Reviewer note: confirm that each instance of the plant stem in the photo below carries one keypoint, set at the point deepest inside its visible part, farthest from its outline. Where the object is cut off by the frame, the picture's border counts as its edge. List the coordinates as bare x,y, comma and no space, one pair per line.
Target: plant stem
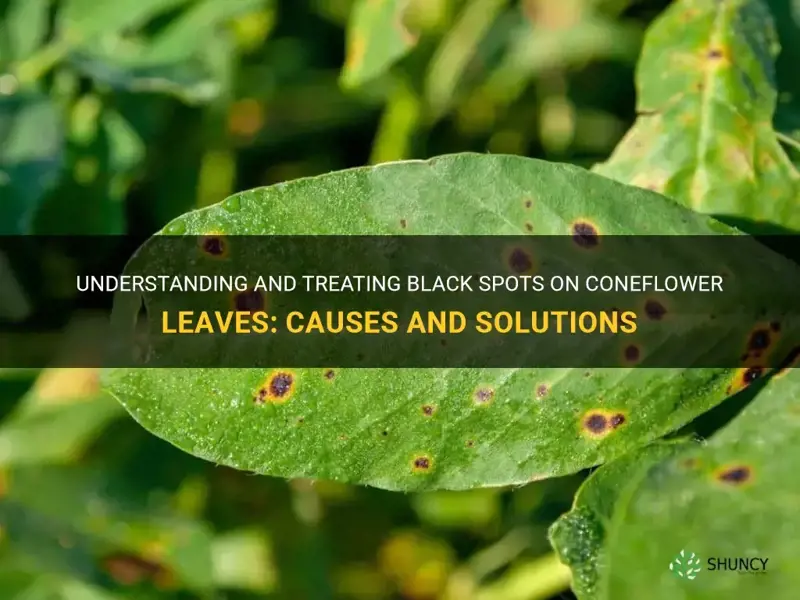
538,579
788,140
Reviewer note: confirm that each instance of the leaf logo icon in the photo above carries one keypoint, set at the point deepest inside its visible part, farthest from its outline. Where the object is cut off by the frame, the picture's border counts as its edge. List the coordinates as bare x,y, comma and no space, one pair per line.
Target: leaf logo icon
686,565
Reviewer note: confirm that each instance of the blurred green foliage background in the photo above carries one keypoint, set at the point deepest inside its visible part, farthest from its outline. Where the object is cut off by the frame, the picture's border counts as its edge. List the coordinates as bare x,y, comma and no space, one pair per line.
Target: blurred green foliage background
116,116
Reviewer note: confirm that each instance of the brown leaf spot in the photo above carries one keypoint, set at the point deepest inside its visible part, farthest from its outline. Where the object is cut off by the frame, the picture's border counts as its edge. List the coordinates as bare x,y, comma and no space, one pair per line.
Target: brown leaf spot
528,203
469,444
542,390
129,569
585,234
248,301
519,261
428,410
632,353
596,424
329,374
735,475
214,245
654,310
403,223
690,463
617,420
422,464
483,396
529,226
759,340
277,388
751,374
715,54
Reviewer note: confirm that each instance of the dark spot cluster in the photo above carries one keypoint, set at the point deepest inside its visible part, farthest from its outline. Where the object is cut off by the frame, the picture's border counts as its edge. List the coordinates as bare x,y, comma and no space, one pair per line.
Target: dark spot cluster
585,234
600,423
735,475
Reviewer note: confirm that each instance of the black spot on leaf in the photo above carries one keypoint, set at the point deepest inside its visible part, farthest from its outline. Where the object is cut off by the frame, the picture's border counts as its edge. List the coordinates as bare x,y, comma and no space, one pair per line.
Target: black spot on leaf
585,234
248,301
483,395
654,310
520,261
422,464
214,245
735,475
759,340
595,424
617,420
277,388
632,353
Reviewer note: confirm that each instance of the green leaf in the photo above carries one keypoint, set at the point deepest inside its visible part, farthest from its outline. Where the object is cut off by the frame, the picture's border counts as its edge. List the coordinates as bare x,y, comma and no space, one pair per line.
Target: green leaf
25,26
31,155
377,37
368,426
707,96
104,153
455,51
735,496
580,535
243,560
86,523
57,419
83,20
787,19
178,60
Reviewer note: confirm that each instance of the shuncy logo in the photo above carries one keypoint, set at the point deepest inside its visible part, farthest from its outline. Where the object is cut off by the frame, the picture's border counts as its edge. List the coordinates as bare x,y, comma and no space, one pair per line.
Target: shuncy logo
686,565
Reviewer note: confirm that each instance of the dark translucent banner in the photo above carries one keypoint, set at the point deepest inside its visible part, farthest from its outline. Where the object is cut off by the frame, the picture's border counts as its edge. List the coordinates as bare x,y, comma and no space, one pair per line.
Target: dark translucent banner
398,302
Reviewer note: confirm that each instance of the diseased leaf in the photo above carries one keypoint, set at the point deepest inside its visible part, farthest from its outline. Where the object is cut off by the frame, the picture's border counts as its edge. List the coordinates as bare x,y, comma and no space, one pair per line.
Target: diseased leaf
734,497
377,37
580,535
370,426
787,19
31,156
707,96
